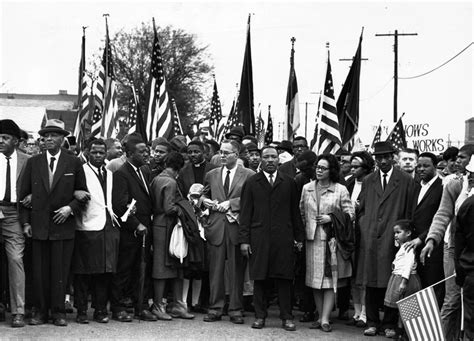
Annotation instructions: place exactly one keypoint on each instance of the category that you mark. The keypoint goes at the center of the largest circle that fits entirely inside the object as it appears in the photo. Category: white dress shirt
(140, 176)
(231, 175)
(48, 158)
(425, 186)
(3, 175)
(267, 175)
(389, 174)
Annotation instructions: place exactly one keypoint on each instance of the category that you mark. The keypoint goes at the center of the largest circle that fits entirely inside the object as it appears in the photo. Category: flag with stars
(397, 136)
(82, 98)
(216, 112)
(135, 118)
(314, 141)
(158, 120)
(329, 135)
(420, 315)
(269, 132)
(96, 119)
(107, 88)
(177, 128)
(260, 130)
(377, 135)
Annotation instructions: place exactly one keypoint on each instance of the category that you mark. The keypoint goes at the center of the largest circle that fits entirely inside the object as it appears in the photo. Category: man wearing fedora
(12, 164)
(386, 196)
(52, 178)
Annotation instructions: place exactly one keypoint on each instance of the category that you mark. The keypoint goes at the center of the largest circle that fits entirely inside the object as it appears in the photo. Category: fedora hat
(53, 126)
(384, 147)
(237, 131)
(9, 127)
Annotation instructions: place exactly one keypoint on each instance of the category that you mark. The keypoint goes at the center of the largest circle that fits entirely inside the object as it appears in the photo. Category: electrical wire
(428, 72)
(378, 91)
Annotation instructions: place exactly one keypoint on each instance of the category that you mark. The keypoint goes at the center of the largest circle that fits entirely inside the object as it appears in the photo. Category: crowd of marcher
(169, 229)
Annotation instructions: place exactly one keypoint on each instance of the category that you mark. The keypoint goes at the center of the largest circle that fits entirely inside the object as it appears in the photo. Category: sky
(40, 51)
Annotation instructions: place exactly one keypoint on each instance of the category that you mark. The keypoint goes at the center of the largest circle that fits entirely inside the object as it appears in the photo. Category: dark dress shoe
(68, 307)
(307, 317)
(199, 309)
(146, 315)
(37, 319)
(352, 322)
(60, 322)
(315, 325)
(212, 318)
(81, 318)
(361, 324)
(288, 325)
(18, 321)
(326, 327)
(258, 324)
(237, 319)
(122, 316)
(101, 317)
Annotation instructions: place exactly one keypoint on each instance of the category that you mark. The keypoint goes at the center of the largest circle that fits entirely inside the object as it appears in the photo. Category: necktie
(271, 179)
(51, 163)
(8, 189)
(142, 179)
(227, 183)
(384, 181)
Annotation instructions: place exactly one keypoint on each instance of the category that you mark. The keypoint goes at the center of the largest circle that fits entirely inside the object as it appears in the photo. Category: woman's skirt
(392, 295)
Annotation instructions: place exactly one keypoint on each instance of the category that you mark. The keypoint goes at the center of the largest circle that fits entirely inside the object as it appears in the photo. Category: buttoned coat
(379, 209)
(68, 177)
(218, 222)
(270, 222)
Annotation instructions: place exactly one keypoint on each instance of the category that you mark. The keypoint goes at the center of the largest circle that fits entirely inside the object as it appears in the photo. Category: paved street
(181, 329)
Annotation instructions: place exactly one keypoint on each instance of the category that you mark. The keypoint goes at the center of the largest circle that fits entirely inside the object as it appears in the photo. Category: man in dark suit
(386, 196)
(270, 225)
(12, 164)
(131, 182)
(225, 185)
(427, 199)
(300, 145)
(52, 178)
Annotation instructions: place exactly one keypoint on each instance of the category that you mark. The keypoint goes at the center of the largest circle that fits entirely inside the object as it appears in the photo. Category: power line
(436, 68)
(378, 91)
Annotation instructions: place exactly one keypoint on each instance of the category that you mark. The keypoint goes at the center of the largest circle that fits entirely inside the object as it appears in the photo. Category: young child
(404, 280)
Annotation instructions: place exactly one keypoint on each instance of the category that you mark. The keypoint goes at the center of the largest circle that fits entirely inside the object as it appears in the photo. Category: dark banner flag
(292, 103)
(269, 132)
(348, 101)
(245, 102)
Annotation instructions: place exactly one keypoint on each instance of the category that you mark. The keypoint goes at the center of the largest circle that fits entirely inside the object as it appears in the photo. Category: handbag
(178, 244)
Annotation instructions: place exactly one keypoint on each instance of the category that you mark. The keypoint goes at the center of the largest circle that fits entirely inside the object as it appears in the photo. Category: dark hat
(133, 139)
(306, 160)
(252, 147)
(286, 145)
(178, 143)
(384, 147)
(9, 127)
(53, 126)
(72, 140)
(237, 131)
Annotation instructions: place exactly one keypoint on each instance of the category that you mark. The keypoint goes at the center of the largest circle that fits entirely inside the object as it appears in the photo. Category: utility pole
(395, 76)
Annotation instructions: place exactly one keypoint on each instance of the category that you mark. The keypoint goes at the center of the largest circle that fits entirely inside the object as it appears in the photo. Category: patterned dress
(316, 200)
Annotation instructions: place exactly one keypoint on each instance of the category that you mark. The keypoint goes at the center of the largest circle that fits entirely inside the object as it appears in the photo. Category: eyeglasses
(322, 168)
(223, 152)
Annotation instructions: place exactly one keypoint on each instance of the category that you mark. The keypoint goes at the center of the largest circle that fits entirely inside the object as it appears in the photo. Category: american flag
(397, 136)
(330, 137)
(216, 112)
(377, 135)
(177, 128)
(420, 315)
(158, 121)
(107, 88)
(292, 102)
(96, 119)
(232, 119)
(314, 142)
(269, 132)
(132, 113)
(260, 129)
(82, 97)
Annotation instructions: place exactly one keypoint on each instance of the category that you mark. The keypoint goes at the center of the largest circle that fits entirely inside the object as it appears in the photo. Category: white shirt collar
(429, 183)
(267, 175)
(49, 156)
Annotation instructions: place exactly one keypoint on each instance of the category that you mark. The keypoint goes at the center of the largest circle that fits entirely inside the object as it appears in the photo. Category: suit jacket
(128, 186)
(378, 211)
(270, 221)
(22, 158)
(289, 168)
(186, 176)
(424, 212)
(68, 177)
(218, 221)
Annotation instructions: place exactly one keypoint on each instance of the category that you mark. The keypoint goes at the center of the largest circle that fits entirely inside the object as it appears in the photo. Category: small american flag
(397, 136)
(269, 132)
(177, 128)
(216, 112)
(377, 135)
(260, 129)
(420, 315)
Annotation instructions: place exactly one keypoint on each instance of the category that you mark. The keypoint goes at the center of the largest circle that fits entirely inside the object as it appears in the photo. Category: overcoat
(270, 222)
(379, 209)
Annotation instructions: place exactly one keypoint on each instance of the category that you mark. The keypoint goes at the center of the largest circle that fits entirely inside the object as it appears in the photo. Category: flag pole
(432, 285)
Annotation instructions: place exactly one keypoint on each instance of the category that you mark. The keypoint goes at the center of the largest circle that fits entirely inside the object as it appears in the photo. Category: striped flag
(420, 315)
(314, 141)
(377, 135)
(397, 136)
(292, 102)
(107, 87)
(82, 97)
(96, 119)
(216, 112)
(158, 121)
(329, 135)
(260, 129)
(269, 132)
(177, 127)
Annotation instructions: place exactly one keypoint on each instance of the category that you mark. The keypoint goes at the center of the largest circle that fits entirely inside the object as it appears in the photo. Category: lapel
(377, 184)
(237, 176)
(134, 174)
(60, 169)
(20, 164)
(43, 169)
(220, 185)
(262, 180)
(428, 192)
(278, 181)
(391, 185)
